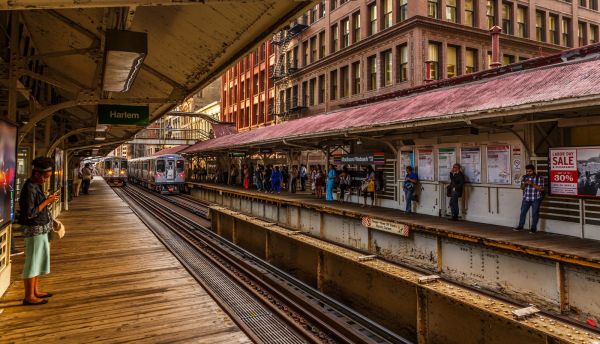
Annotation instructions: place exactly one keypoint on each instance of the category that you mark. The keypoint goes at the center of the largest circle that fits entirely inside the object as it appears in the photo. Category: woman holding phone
(37, 223)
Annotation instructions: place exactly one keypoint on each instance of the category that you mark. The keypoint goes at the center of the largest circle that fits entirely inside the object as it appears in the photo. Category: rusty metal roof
(569, 85)
(171, 150)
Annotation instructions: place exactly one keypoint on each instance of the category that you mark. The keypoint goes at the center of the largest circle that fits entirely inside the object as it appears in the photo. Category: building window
(334, 84)
(540, 27)
(305, 49)
(335, 33)
(402, 10)
(507, 13)
(387, 13)
(313, 14)
(508, 59)
(553, 29)
(345, 32)
(582, 3)
(344, 82)
(402, 53)
(521, 22)
(322, 44)
(322, 9)
(581, 34)
(593, 34)
(356, 27)
(356, 77)
(321, 89)
(452, 61)
(470, 61)
(490, 12)
(566, 32)
(451, 11)
(434, 58)
(386, 68)
(594, 4)
(372, 19)
(262, 78)
(305, 19)
(304, 101)
(433, 9)
(311, 92)
(372, 73)
(469, 13)
(313, 49)
(332, 5)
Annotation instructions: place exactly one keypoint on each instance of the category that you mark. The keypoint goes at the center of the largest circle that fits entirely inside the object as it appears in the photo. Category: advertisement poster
(470, 159)
(498, 164)
(446, 159)
(8, 164)
(58, 168)
(425, 164)
(407, 159)
(575, 171)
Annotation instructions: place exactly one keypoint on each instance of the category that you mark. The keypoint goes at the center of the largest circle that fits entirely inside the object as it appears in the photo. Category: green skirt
(37, 256)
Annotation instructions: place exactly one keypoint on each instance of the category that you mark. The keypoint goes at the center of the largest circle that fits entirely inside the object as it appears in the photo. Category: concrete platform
(113, 282)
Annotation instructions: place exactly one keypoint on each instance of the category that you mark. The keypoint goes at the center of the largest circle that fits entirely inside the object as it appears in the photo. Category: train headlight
(110, 172)
(122, 172)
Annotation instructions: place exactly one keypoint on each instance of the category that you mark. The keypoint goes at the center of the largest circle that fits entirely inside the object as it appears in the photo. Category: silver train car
(113, 170)
(162, 173)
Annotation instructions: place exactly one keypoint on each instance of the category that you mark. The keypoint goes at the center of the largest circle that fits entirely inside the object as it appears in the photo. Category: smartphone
(57, 193)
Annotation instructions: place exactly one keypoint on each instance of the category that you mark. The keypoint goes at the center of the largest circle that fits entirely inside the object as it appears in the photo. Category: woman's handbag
(58, 229)
(364, 186)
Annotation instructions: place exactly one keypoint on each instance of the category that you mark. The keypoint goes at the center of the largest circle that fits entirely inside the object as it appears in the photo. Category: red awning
(171, 150)
(522, 90)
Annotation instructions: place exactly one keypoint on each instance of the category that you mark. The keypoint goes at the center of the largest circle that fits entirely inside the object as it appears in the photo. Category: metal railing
(173, 134)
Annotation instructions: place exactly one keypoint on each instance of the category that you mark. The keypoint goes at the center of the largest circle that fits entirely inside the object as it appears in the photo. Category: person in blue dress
(276, 179)
(331, 174)
(410, 183)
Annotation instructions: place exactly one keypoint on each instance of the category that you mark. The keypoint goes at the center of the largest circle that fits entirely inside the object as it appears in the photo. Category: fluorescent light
(99, 138)
(124, 56)
(101, 127)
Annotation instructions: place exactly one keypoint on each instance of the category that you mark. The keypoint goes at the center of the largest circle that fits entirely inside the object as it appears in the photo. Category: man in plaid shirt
(532, 185)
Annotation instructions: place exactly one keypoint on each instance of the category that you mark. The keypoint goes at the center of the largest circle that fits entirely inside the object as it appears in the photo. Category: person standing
(86, 178)
(455, 189)
(409, 186)
(369, 186)
(532, 185)
(303, 173)
(331, 175)
(37, 223)
(345, 181)
(294, 179)
(319, 182)
(276, 180)
(246, 176)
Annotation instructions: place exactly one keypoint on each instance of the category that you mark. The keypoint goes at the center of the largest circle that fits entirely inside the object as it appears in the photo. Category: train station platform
(113, 281)
(555, 272)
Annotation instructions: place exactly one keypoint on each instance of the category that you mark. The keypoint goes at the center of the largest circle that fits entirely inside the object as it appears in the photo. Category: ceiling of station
(189, 45)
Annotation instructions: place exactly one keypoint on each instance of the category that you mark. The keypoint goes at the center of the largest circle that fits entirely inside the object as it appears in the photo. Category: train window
(145, 165)
(124, 164)
(179, 165)
(107, 164)
(160, 165)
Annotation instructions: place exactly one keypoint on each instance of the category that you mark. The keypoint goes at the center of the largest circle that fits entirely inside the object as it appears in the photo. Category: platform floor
(549, 245)
(113, 282)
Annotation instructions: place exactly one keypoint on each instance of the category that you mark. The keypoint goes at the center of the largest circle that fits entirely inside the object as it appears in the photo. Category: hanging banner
(425, 164)
(407, 158)
(377, 159)
(470, 159)
(446, 159)
(574, 171)
(498, 164)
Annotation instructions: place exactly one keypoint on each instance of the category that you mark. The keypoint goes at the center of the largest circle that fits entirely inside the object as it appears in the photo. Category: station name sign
(363, 159)
(123, 115)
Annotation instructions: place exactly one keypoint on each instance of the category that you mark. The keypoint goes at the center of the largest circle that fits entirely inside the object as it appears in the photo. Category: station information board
(574, 171)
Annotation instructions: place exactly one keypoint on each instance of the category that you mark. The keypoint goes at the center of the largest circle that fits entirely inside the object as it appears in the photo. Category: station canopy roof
(549, 85)
(190, 43)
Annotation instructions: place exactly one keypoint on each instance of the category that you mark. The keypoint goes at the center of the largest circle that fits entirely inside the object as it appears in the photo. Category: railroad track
(268, 304)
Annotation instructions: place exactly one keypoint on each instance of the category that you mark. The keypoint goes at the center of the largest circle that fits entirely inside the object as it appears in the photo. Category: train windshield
(160, 165)
(107, 165)
(124, 164)
(179, 165)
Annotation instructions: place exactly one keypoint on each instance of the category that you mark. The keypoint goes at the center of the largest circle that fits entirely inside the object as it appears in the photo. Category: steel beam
(65, 136)
(62, 4)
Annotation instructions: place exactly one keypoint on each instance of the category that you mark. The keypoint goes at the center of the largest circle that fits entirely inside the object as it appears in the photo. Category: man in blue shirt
(532, 185)
(409, 186)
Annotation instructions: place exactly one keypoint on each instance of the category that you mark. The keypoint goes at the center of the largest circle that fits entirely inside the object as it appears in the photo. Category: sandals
(45, 296)
(27, 303)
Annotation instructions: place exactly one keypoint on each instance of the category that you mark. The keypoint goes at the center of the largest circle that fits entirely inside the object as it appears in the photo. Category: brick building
(342, 51)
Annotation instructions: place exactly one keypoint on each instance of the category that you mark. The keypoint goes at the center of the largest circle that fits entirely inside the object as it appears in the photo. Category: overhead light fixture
(99, 138)
(101, 127)
(125, 52)
(358, 142)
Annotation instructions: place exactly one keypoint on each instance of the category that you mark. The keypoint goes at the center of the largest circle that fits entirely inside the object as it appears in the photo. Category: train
(113, 170)
(162, 173)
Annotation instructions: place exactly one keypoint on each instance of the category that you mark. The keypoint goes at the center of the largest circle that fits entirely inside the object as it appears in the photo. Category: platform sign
(574, 171)
(377, 159)
(123, 115)
(386, 226)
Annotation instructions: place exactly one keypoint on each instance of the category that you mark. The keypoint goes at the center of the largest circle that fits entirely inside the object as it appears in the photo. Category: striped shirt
(530, 193)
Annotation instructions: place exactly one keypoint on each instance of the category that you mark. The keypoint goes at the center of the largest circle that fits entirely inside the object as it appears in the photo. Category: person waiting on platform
(331, 178)
(233, 174)
(276, 179)
(319, 182)
(532, 185)
(267, 178)
(86, 178)
(37, 223)
(455, 189)
(303, 175)
(345, 181)
(409, 186)
(294, 179)
(245, 176)
(368, 186)
(258, 176)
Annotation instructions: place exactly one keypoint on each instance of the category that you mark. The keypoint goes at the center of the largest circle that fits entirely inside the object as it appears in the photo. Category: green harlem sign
(123, 115)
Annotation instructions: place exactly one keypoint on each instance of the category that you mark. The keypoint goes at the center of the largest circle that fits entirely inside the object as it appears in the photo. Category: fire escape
(282, 72)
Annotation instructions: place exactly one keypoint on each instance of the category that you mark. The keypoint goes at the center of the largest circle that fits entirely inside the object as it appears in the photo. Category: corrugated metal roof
(564, 81)
(171, 150)
(223, 129)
